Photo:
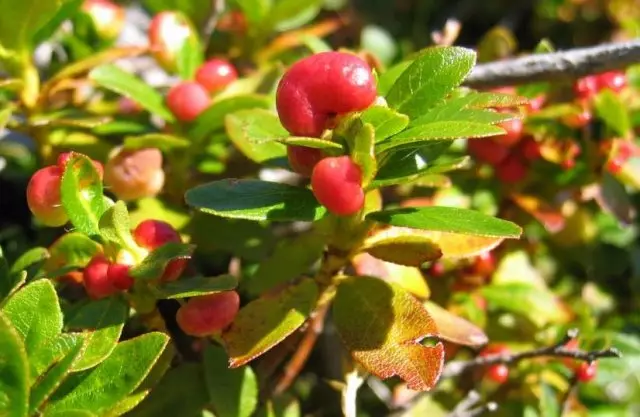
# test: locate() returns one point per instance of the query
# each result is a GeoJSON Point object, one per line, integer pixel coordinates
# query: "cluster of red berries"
{"type": "Point", "coordinates": [510, 154]}
{"type": "Point", "coordinates": [310, 95]}
{"type": "Point", "coordinates": [43, 192]}
{"type": "Point", "coordinates": [586, 88]}
{"type": "Point", "coordinates": [619, 151]}
{"type": "Point", "coordinates": [168, 33]}
{"type": "Point", "coordinates": [103, 278]}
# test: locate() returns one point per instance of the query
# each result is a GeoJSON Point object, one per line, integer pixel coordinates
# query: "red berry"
{"type": "Point", "coordinates": [615, 164]}
{"type": "Point", "coordinates": [613, 80]}
{"type": "Point", "coordinates": [512, 170]}
{"type": "Point", "coordinates": [320, 86]}
{"type": "Point", "coordinates": [585, 372]}
{"type": "Point", "coordinates": [151, 234]}
{"type": "Point", "coordinates": [168, 32]}
{"type": "Point", "coordinates": [43, 196]}
{"type": "Point", "coordinates": [134, 174]}
{"type": "Point", "coordinates": [108, 18]}
{"type": "Point", "coordinates": [129, 106]}
{"type": "Point", "coordinates": [497, 373]}
{"type": "Point", "coordinates": [436, 269]}
{"type": "Point", "coordinates": [487, 151]}
{"type": "Point", "coordinates": [64, 157]}
{"type": "Point", "coordinates": [303, 159]}
{"type": "Point", "coordinates": [579, 120]}
{"type": "Point", "coordinates": [118, 275]}
{"type": "Point", "coordinates": [586, 87]}
{"type": "Point", "coordinates": [208, 314]}
{"type": "Point", "coordinates": [513, 133]}
{"type": "Point", "coordinates": [96, 279]}
{"type": "Point", "coordinates": [337, 184]}
{"type": "Point", "coordinates": [187, 100]}
{"type": "Point", "coordinates": [530, 149]}
{"type": "Point", "coordinates": [484, 264]}
{"type": "Point", "coordinates": [495, 349]}
{"type": "Point", "coordinates": [216, 74]}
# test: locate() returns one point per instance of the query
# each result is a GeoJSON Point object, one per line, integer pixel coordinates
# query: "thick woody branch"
{"type": "Point", "coordinates": [563, 65]}
{"type": "Point", "coordinates": [456, 368]}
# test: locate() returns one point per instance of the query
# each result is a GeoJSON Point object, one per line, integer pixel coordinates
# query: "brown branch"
{"type": "Point", "coordinates": [456, 368]}
{"type": "Point", "coordinates": [563, 65]}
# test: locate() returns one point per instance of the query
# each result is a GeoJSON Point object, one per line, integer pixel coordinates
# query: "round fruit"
{"type": "Point", "coordinates": [96, 278]}
{"type": "Point", "coordinates": [530, 149]}
{"type": "Point", "coordinates": [208, 314]}
{"type": "Point", "coordinates": [134, 174]}
{"type": "Point", "coordinates": [303, 159]}
{"type": "Point", "coordinates": [498, 373]}
{"type": "Point", "coordinates": [487, 151]}
{"type": "Point", "coordinates": [151, 234]}
{"type": "Point", "coordinates": [321, 86]}
{"type": "Point", "coordinates": [108, 18]}
{"type": "Point", "coordinates": [118, 275]}
{"type": "Point", "coordinates": [484, 264]}
{"type": "Point", "coordinates": [216, 74]}
{"type": "Point", "coordinates": [586, 87]}
{"type": "Point", "coordinates": [187, 100]}
{"type": "Point", "coordinates": [43, 196]}
{"type": "Point", "coordinates": [614, 80]}
{"type": "Point", "coordinates": [512, 170]}
{"type": "Point", "coordinates": [337, 184]}
{"type": "Point", "coordinates": [513, 129]}
{"type": "Point", "coordinates": [168, 32]}
{"type": "Point", "coordinates": [585, 372]}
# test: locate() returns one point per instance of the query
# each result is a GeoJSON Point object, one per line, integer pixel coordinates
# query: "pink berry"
{"type": "Point", "coordinates": [586, 87]}
{"type": "Point", "coordinates": [43, 196]}
{"type": "Point", "coordinates": [108, 18]}
{"type": "Point", "coordinates": [337, 184]}
{"type": "Point", "coordinates": [134, 174]}
{"type": "Point", "coordinates": [208, 314]}
{"type": "Point", "coordinates": [512, 170]}
{"type": "Point", "coordinates": [303, 159]}
{"type": "Point", "coordinates": [321, 86]}
{"type": "Point", "coordinates": [168, 32]}
{"type": "Point", "coordinates": [216, 74]}
{"type": "Point", "coordinates": [96, 279]}
{"type": "Point", "coordinates": [487, 151]}
{"type": "Point", "coordinates": [187, 100]}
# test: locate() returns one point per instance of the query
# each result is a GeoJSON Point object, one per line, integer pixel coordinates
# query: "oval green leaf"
{"type": "Point", "coordinates": [14, 371]}
{"type": "Point", "coordinates": [193, 287]}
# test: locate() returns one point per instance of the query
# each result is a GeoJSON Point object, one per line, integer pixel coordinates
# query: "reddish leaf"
{"type": "Point", "coordinates": [402, 246]}
{"type": "Point", "coordinates": [408, 277]}
{"type": "Point", "coordinates": [266, 321]}
{"type": "Point", "coordinates": [550, 217]}
{"type": "Point", "coordinates": [382, 327]}
{"type": "Point", "coordinates": [455, 329]}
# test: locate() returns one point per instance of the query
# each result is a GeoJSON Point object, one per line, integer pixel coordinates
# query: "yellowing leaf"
{"type": "Point", "coordinates": [551, 218]}
{"type": "Point", "coordinates": [402, 246]}
{"type": "Point", "coordinates": [266, 321]}
{"type": "Point", "coordinates": [382, 326]}
{"type": "Point", "coordinates": [455, 329]}
{"type": "Point", "coordinates": [408, 277]}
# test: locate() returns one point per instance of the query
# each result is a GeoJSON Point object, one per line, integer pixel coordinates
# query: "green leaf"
{"type": "Point", "coordinates": [28, 259]}
{"type": "Point", "coordinates": [402, 246]}
{"type": "Point", "coordinates": [155, 263]}
{"type": "Point", "coordinates": [67, 9]}
{"type": "Point", "coordinates": [102, 322]}
{"type": "Point", "coordinates": [254, 10]}
{"type": "Point", "coordinates": [14, 372]}
{"type": "Point", "coordinates": [71, 250]}
{"type": "Point", "coordinates": [5, 116]}
{"type": "Point", "coordinates": [255, 200]}
{"type": "Point", "coordinates": [416, 136]}
{"type": "Point", "coordinates": [290, 259]}
{"type": "Point", "coordinates": [165, 143]}
{"type": "Point", "coordinates": [448, 219]}
{"type": "Point", "coordinates": [20, 20]}
{"type": "Point", "coordinates": [69, 413]}
{"type": "Point", "coordinates": [430, 170]}
{"type": "Point", "coordinates": [266, 321]}
{"type": "Point", "coordinates": [115, 378]}
{"type": "Point", "coordinates": [254, 132]}
{"type": "Point", "coordinates": [405, 162]}
{"type": "Point", "coordinates": [126, 405]}
{"type": "Point", "coordinates": [35, 313]}
{"type": "Point", "coordinates": [193, 287]}
{"type": "Point", "coordinates": [382, 326]}
{"type": "Point", "coordinates": [434, 73]}
{"type": "Point", "coordinates": [189, 58]}
{"type": "Point", "coordinates": [115, 226]}
{"type": "Point", "coordinates": [52, 353]}
{"type": "Point", "coordinates": [233, 392]}
{"type": "Point", "coordinates": [361, 141]}
{"type": "Point", "coordinates": [46, 385]}
{"type": "Point", "coordinates": [81, 195]}
{"type": "Point", "coordinates": [614, 112]}
{"type": "Point", "coordinates": [9, 282]}
{"type": "Point", "coordinates": [114, 79]}
{"type": "Point", "coordinates": [385, 121]}
{"type": "Point", "coordinates": [213, 117]}
{"type": "Point", "coordinates": [290, 14]}
{"type": "Point", "coordinates": [315, 143]}
{"type": "Point", "coordinates": [387, 79]}
{"type": "Point", "coordinates": [181, 392]}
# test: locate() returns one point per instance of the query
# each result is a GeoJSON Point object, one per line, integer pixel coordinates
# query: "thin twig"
{"type": "Point", "coordinates": [469, 407]}
{"type": "Point", "coordinates": [456, 368]}
{"type": "Point", "coordinates": [217, 8]}
{"type": "Point", "coordinates": [564, 65]}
